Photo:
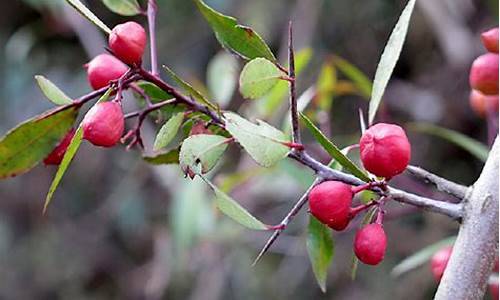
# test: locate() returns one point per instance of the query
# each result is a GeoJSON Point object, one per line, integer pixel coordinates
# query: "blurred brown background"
{"type": "Point", "coordinates": [121, 229]}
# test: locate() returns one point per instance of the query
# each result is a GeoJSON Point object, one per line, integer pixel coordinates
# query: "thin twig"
{"type": "Point", "coordinates": [444, 185]}
{"type": "Point", "coordinates": [288, 218]}
{"type": "Point", "coordinates": [293, 94]}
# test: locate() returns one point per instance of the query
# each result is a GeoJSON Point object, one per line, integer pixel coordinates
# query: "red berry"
{"type": "Point", "coordinates": [481, 103]}
{"type": "Point", "coordinates": [494, 289]}
{"type": "Point", "coordinates": [490, 40]}
{"type": "Point", "coordinates": [127, 41]}
{"type": "Point", "coordinates": [385, 150]}
{"type": "Point", "coordinates": [55, 157]}
{"type": "Point", "coordinates": [370, 243]}
{"type": "Point", "coordinates": [103, 124]}
{"type": "Point", "coordinates": [103, 69]}
{"type": "Point", "coordinates": [439, 261]}
{"type": "Point", "coordinates": [330, 202]}
{"type": "Point", "coordinates": [484, 74]}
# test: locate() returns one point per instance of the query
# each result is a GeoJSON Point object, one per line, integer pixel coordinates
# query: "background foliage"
{"type": "Point", "coordinates": [120, 228]}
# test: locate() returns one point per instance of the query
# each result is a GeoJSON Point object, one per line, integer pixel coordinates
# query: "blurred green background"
{"type": "Point", "coordinates": [119, 228]}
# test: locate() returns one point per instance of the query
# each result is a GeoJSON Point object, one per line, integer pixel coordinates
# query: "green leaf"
{"type": "Point", "coordinates": [87, 13]}
{"type": "Point", "coordinates": [320, 248]}
{"type": "Point", "coordinates": [199, 153]}
{"type": "Point", "coordinates": [363, 84]}
{"type": "Point", "coordinates": [169, 157]}
{"type": "Point", "coordinates": [154, 92]}
{"type": "Point", "coordinates": [190, 90]}
{"type": "Point", "coordinates": [222, 77]}
{"type": "Point", "coordinates": [354, 260]}
{"type": "Point", "coordinates": [325, 86]}
{"type": "Point", "coordinates": [258, 77]}
{"type": "Point", "coordinates": [275, 97]}
{"type": "Point", "coordinates": [264, 143]}
{"type": "Point", "coordinates": [389, 59]}
{"type": "Point", "coordinates": [470, 145]}
{"type": "Point", "coordinates": [68, 156]}
{"type": "Point", "coordinates": [28, 143]}
{"type": "Point", "coordinates": [168, 131]}
{"type": "Point", "coordinates": [123, 7]}
{"type": "Point", "coordinates": [236, 38]}
{"type": "Point", "coordinates": [235, 211]}
{"type": "Point", "coordinates": [52, 92]}
{"type": "Point", "coordinates": [421, 257]}
{"type": "Point", "coordinates": [333, 150]}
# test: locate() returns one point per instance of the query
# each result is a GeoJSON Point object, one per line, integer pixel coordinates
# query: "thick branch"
{"type": "Point", "coordinates": [476, 246]}
{"type": "Point", "coordinates": [441, 184]}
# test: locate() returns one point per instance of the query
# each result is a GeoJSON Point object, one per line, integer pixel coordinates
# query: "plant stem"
{"type": "Point", "coordinates": [293, 93]}
{"type": "Point", "coordinates": [444, 185]}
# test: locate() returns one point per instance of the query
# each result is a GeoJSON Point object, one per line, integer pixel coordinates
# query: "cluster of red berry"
{"type": "Point", "coordinates": [104, 123]}
{"type": "Point", "coordinates": [440, 259]}
{"type": "Point", "coordinates": [483, 76]}
{"type": "Point", "coordinates": [385, 152]}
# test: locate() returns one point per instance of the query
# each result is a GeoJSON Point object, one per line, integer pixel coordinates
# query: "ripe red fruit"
{"type": "Point", "coordinates": [484, 74]}
{"type": "Point", "coordinates": [55, 157]}
{"type": "Point", "coordinates": [330, 202]}
{"type": "Point", "coordinates": [385, 150]}
{"type": "Point", "coordinates": [494, 289]}
{"type": "Point", "coordinates": [439, 261]}
{"type": "Point", "coordinates": [370, 243]}
{"type": "Point", "coordinates": [103, 69]}
{"type": "Point", "coordinates": [127, 41]}
{"type": "Point", "coordinates": [481, 103]}
{"type": "Point", "coordinates": [490, 40]}
{"type": "Point", "coordinates": [103, 124]}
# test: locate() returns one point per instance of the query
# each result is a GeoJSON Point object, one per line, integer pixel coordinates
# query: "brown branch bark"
{"type": "Point", "coordinates": [474, 252]}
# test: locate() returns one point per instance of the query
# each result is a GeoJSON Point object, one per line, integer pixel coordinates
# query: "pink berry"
{"type": "Point", "coordinates": [481, 104]}
{"type": "Point", "coordinates": [439, 261]}
{"type": "Point", "coordinates": [494, 289]}
{"type": "Point", "coordinates": [484, 74]}
{"type": "Point", "coordinates": [55, 157]}
{"type": "Point", "coordinates": [127, 41]}
{"type": "Point", "coordinates": [370, 243]}
{"type": "Point", "coordinates": [330, 202]}
{"type": "Point", "coordinates": [490, 40]}
{"type": "Point", "coordinates": [103, 124]}
{"type": "Point", "coordinates": [385, 150]}
{"type": "Point", "coordinates": [103, 69]}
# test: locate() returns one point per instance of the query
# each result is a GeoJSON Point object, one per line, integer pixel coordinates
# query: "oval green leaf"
{"type": "Point", "coordinates": [168, 131]}
{"type": "Point", "coordinates": [199, 153]}
{"type": "Point", "coordinates": [30, 142]}
{"type": "Point", "coordinates": [258, 77]}
{"type": "Point", "coordinates": [264, 143]}
{"type": "Point", "coordinates": [52, 92]}
{"type": "Point", "coordinates": [234, 210]}
{"type": "Point", "coordinates": [389, 59]}
{"type": "Point", "coordinates": [222, 77]}
{"type": "Point", "coordinates": [236, 38]}
{"type": "Point", "coordinates": [123, 7]}
{"type": "Point", "coordinates": [169, 157]}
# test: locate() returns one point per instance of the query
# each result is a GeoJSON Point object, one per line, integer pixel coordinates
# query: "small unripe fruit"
{"type": "Point", "coordinates": [103, 124]}
{"type": "Point", "coordinates": [490, 40]}
{"type": "Point", "coordinates": [370, 243]}
{"type": "Point", "coordinates": [481, 104]}
{"type": "Point", "coordinates": [55, 157]}
{"type": "Point", "coordinates": [484, 74]}
{"type": "Point", "coordinates": [385, 150]}
{"type": "Point", "coordinates": [330, 202]}
{"type": "Point", "coordinates": [127, 41]}
{"type": "Point", "coordinates": [439, 261]}
{"type": "Point", "coordinates": [103, 69]}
